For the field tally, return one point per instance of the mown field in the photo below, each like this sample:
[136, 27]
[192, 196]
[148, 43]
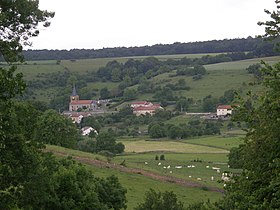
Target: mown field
[195, 156]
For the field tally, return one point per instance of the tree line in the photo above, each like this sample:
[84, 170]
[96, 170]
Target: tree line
[249, 44]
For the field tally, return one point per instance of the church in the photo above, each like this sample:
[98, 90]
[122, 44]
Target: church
[80, 105]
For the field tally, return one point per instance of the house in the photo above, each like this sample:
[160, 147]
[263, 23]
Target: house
[223, 110]
[86, 130]
[77, 116]
[77, 105]
[144, 107]
[141, 104]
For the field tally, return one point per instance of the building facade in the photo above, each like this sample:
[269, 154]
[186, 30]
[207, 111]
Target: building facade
[80, 105]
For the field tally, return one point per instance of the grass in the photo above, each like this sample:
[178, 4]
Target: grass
[167, 146]
[203, 153]
[203, 165]
[137, 185]
[216, 141]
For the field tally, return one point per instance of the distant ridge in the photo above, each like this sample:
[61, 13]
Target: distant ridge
[254, 45]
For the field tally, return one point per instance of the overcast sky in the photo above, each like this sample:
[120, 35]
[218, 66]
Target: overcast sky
[100, 24]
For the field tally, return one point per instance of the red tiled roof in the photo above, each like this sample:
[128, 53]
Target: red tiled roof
[224, 107]
[81, 102]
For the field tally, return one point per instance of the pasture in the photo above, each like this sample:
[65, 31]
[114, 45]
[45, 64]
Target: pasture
[198, 160]
[141, 146]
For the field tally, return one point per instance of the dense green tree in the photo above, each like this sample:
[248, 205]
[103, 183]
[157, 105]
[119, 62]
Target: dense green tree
[53, 128]
[228, 97]
[156, 131]
[19, 160]
[107, 142]
[104, 93]
[92, 122]
[129, 94]
[182, 105]
[30, 178]
[158, 201]
[175, 132]
[255, 69]
[209, 104]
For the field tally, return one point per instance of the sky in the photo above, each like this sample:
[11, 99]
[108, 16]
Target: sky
[97, 24]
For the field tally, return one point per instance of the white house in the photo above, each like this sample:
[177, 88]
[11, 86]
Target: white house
[86, 131]
[223, 110]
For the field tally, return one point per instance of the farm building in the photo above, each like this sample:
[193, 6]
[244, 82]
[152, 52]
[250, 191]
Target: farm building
[223, 110]
[144, 107]
[76, 117]
[141, 104]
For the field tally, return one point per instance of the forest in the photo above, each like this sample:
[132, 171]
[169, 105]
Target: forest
[254, 45]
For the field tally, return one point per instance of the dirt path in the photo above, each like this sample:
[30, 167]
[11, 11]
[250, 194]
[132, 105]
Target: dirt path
[153, 175]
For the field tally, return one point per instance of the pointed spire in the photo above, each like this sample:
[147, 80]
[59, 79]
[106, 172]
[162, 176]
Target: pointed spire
[74, 92]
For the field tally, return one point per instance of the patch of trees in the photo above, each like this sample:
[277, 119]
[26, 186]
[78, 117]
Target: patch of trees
[255, 69]
[105, 144]
[254, 45]
[210, 103]
[193, 128]
[158, 201]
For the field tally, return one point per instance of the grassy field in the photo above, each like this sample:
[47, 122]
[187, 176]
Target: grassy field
[216, 141]
[137, 184]
[196, 156]
[167, 146]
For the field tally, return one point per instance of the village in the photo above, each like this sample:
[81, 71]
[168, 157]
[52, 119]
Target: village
[79, 109]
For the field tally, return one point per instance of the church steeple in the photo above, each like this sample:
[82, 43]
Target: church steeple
[74, 96]
[74, 92]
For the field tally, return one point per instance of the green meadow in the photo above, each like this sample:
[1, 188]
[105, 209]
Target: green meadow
[196, 157]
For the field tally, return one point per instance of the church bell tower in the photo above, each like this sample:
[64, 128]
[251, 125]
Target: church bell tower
[74, 96]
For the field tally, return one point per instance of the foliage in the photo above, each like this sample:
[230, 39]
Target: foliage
[158, 201]
[29, 178]
[235, 159]
[107, 142]
[209, 104]
[255, 69]
[228, 97]
[53, 128]
[156, 131]
[19, 21]
[91, 122]
[19, 160]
